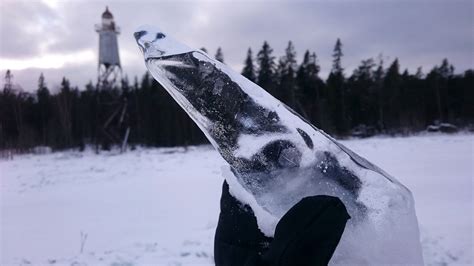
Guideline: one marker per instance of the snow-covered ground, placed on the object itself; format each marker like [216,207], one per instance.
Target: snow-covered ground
[160,206]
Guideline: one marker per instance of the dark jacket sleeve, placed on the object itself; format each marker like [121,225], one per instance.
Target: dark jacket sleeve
[307,234]
[238,241]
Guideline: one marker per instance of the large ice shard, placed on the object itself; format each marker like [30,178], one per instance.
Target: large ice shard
[276,157]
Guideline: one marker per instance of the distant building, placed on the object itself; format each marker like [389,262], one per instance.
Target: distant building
[109,69]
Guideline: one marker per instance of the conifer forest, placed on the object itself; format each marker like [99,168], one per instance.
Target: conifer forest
[376,98]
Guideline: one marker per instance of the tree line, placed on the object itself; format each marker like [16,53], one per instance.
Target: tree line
[384,99]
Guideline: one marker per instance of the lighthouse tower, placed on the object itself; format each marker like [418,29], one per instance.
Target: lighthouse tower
[109,70]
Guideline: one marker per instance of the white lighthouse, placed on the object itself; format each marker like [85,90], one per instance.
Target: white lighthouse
[109,69]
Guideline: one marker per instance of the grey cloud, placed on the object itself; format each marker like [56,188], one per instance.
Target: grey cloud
[23,26]
[419,33]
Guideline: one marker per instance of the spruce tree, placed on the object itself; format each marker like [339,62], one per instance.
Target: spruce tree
[438,79]
[8,86]
[419,73]
[44,106]
[337,57]
[64,105]
[379,75]
[266,68]
[309,87]
[360,94]
[446,70]
[312,67]
[391,96]
[336,91]
[249,69]
[287,81]
[412,111]
[302,77]
[219,55]
[287,62]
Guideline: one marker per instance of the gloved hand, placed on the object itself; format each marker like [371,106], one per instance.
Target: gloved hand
[307,234]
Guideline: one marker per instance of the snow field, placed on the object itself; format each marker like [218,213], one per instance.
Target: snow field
[160,206]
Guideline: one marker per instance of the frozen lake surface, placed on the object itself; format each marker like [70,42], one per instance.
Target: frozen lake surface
[160,206]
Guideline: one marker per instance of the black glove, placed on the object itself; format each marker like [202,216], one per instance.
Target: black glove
[307,234]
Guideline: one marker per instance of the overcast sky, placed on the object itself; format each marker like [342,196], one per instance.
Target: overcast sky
[58,37]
